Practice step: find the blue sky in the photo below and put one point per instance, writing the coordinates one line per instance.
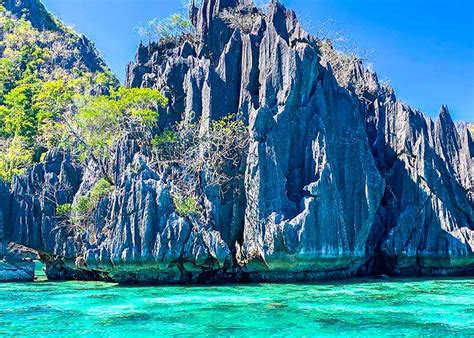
(424, 47)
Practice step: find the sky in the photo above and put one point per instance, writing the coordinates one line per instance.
(424, 48)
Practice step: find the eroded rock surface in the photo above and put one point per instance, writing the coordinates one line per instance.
(341, 177)
(35, 197)
(13, 267)
(18, 271)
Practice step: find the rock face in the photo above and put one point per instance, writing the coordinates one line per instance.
(341, 178)
(4, 217)
(29, 215)
(23, 271)
(426, 215)
(35, 197)
(146, 240)
(14, 267)
(18, 264)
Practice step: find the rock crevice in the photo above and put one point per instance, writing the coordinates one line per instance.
(340, 179)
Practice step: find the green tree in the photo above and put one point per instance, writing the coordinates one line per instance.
(186, 206)
(139, 104)
(52, 99)
(15, 158)
(102, 120)
(93, 124)
(168, 29)
(8, 76)
(43, 76)
(18, 114)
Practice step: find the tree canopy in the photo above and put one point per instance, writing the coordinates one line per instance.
(49, 96)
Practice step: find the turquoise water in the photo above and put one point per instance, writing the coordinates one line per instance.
(364, 308)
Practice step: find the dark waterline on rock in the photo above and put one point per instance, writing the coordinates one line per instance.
(340, 177)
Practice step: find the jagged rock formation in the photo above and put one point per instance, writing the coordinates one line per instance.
(14, 267)
(18, 264)
(4, 219)
(26, 214)
(142, 227)
(426, 215)
(341, 178)
(35, 196)
(18, 271)
(4, 215)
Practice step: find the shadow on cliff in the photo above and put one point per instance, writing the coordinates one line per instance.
(408, 237)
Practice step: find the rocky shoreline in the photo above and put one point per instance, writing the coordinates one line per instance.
(16, 263)
(341, 180)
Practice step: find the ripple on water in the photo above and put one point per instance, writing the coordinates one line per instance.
(368, 308)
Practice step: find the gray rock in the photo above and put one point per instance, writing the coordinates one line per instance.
(144, 238)
(35, 196)
(16, 265)
(19, 253)
(341, 177)
(429, 178)
(17, 271)
(5, 221)
(34, 12)
(335, 176)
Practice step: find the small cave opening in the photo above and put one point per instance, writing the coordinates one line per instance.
(40, 274)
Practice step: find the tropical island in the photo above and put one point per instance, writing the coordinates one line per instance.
(239, 149)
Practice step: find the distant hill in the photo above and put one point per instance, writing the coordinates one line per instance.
(37, 54)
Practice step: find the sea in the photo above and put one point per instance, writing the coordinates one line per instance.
(351, 308)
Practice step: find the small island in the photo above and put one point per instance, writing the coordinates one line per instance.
(240, 150)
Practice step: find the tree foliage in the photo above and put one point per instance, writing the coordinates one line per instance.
(242, 17)
(49, 97)
(186, 206)
(168, 29)
(15, 158)
(41, 74)
(85, 204)
(201, 155)
(77, 216)
(64, 210)
(18, 114)
(91, 125)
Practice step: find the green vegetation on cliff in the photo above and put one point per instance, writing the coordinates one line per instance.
(56, 91)
(42, 69)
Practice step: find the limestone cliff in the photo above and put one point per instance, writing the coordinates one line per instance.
(36, 48)
(341, 178)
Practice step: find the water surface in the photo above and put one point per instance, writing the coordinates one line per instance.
(364, 308)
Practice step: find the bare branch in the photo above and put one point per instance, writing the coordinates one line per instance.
(196, 156)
